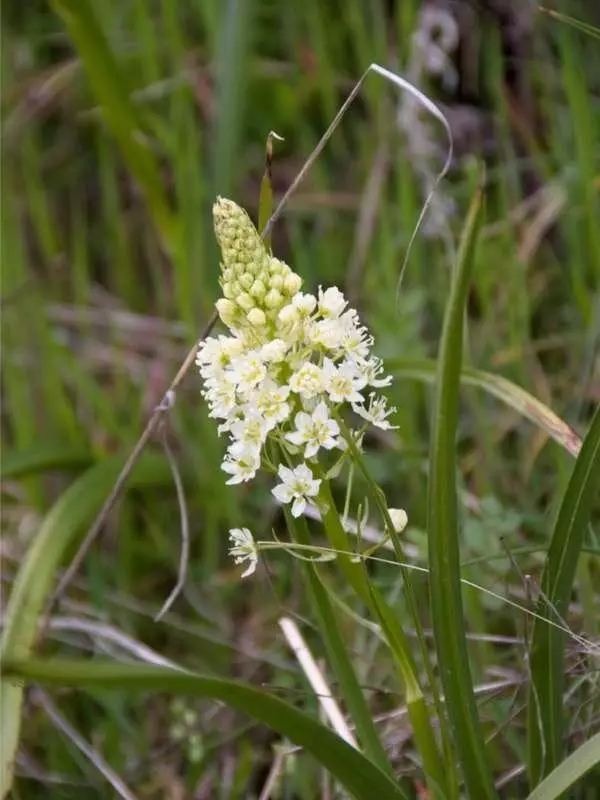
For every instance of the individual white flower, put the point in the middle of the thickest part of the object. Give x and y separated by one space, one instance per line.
315 430
221 396
308 381
247 371
296 485
305 304
274 351
399 518
243 549
370 369
343 383
251 429
270 400
377 413
331 302
325 333
241 463
356 341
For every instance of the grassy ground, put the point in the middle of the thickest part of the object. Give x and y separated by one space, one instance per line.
107 281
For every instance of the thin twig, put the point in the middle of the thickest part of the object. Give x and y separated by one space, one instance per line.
185 530
43 700
150 428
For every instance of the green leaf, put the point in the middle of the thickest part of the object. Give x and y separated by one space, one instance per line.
445 587
545 704
569 771
41 459
353 770
109 84
69 516
504 390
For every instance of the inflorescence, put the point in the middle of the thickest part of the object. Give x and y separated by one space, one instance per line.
290 366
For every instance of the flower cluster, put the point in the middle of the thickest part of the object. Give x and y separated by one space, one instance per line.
291 364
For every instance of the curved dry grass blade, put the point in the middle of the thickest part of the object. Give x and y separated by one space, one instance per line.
504 390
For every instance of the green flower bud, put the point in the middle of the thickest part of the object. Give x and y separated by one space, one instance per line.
226 311
273 299
246 280
256 318
245 301
292 284
258 290
276 282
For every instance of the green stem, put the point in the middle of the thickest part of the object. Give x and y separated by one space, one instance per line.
355 574
338 655
411 602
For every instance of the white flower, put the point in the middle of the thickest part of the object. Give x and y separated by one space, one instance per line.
252 429
315 430
331 302
377 412
274 351
243 549
269 399
399 518
247 371
326 333
343 382
356 340
308 380
220 394
241 463
370 369
296 484
304 303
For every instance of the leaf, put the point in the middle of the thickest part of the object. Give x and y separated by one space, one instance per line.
569 771
353 770
69 516
41 459
545 704
504 390
109 84
445 586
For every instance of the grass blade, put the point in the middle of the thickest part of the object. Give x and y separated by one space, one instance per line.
569 771
446 601
545 706
354 771
68 517
109 85
506 391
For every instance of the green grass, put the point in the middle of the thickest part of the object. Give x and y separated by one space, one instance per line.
122 121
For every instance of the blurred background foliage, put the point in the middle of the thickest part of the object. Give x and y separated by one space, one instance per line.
107 279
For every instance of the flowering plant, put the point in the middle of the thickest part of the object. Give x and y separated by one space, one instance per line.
291 365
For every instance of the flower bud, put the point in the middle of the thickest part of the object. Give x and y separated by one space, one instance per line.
288 315
399 518
276 282
273 299
292 284
258 289
245 301
256 318
246 280
226 310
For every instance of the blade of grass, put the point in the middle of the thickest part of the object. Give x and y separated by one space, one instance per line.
545 704
109 84
353 770
40 459
504 390
569 771
68 517
445 589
